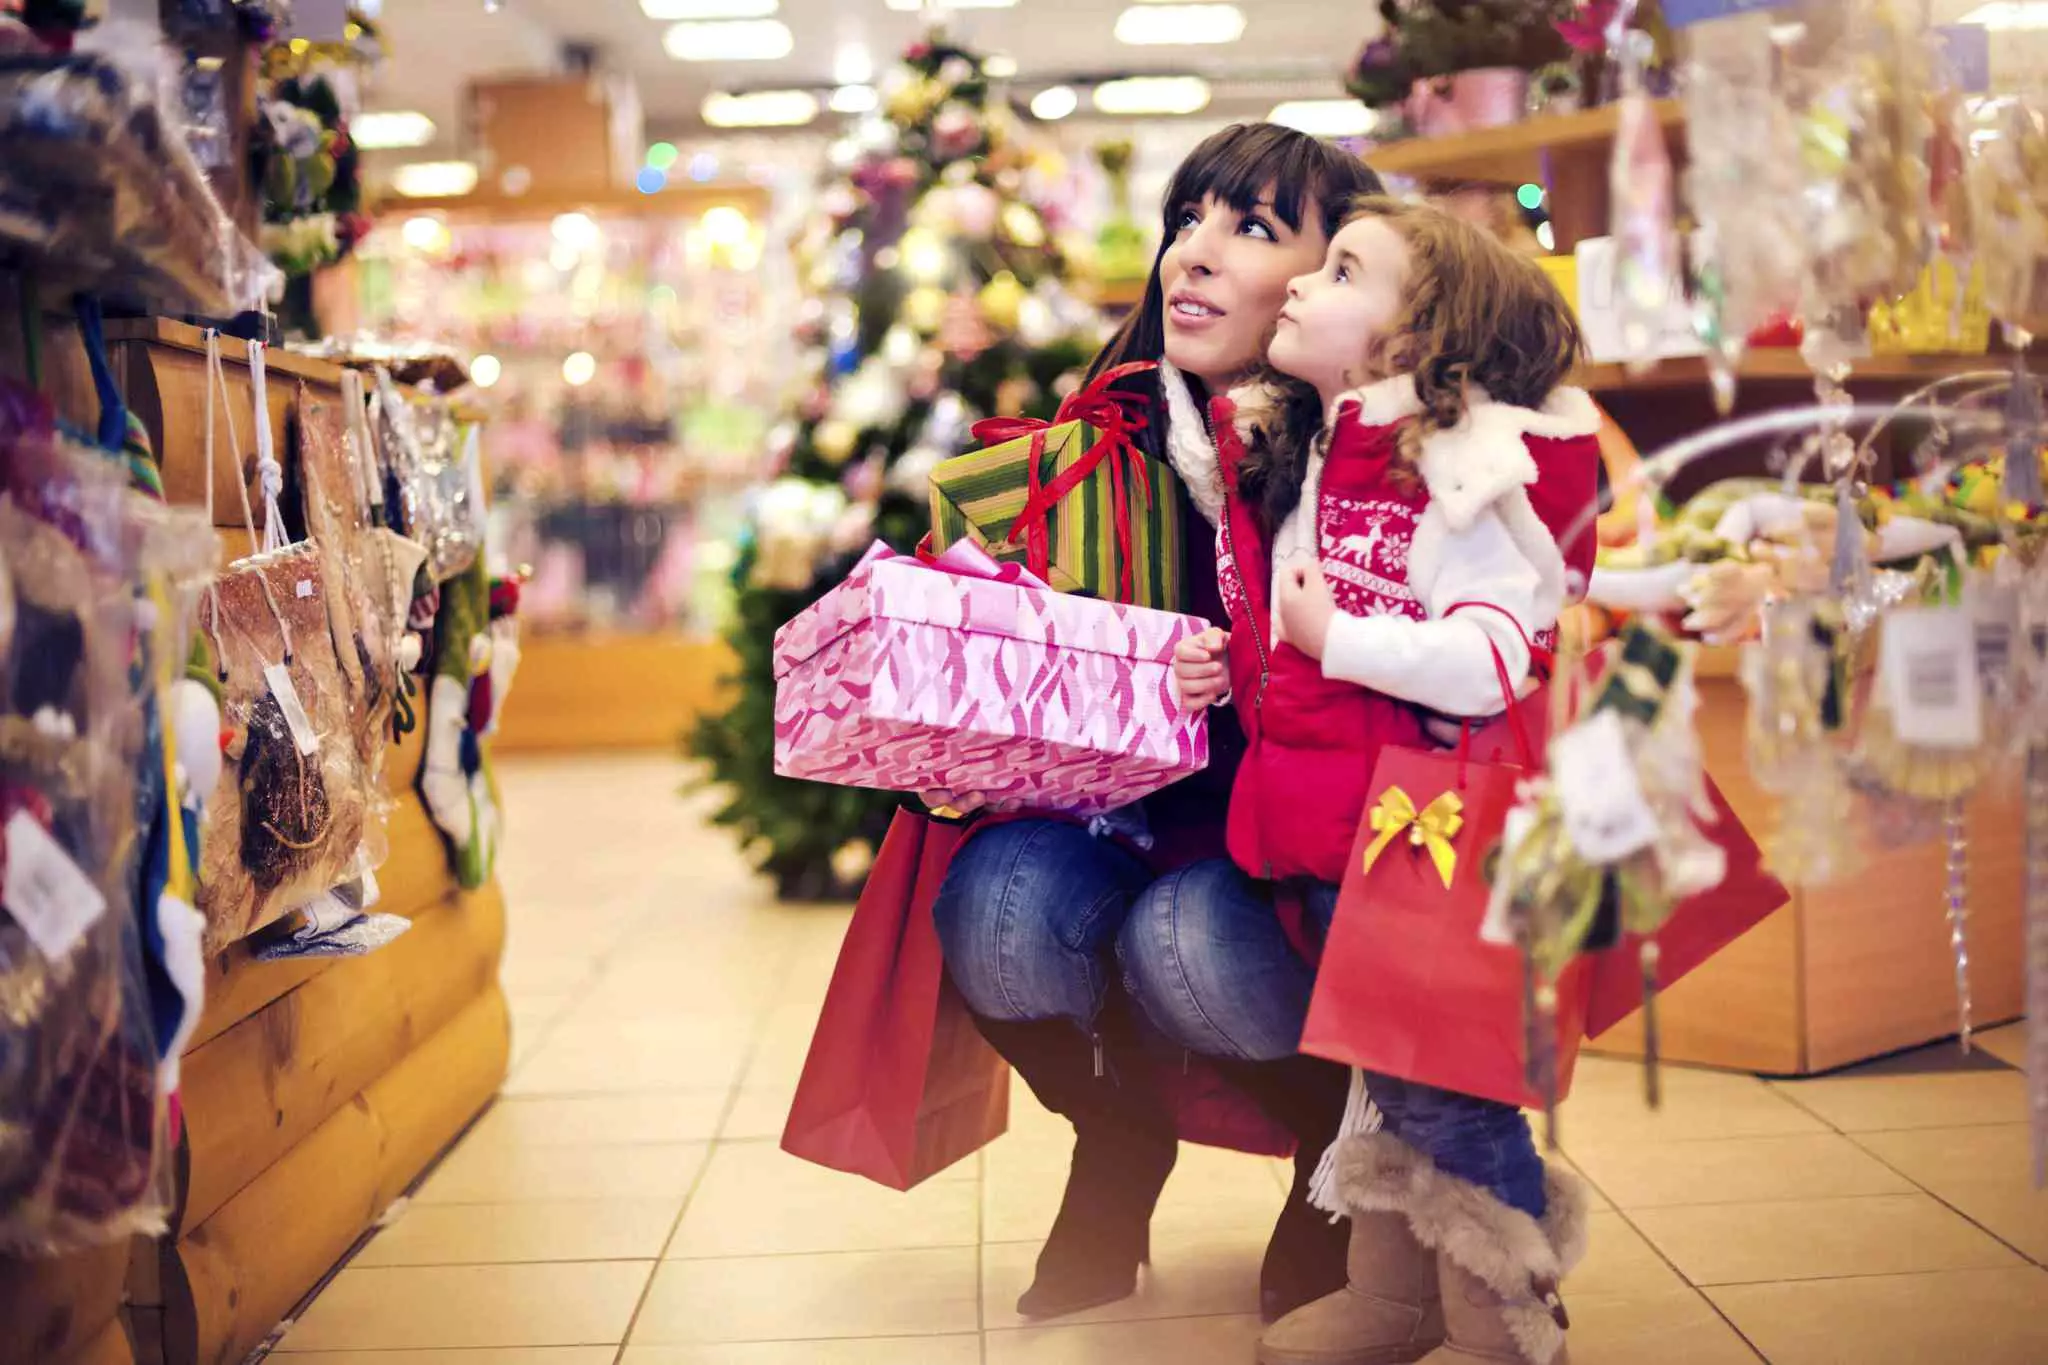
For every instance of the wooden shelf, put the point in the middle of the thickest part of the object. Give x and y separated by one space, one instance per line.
679 201
1779 366
1512 155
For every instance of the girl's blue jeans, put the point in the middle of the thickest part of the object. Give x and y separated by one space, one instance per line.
1038 918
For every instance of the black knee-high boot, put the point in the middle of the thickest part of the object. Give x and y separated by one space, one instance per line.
1305 1095
1124 1148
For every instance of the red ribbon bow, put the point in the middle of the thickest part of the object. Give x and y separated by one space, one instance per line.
1109 412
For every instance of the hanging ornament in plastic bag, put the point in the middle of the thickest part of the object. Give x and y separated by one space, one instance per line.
1798 701
1646 274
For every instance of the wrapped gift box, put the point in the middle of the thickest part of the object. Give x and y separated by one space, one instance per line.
974 677
1094 494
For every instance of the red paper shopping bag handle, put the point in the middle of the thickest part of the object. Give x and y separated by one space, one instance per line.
1539 659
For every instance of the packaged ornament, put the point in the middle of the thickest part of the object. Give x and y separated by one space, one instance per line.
432 472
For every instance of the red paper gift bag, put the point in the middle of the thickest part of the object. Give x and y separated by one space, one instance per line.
899 1084
1406 986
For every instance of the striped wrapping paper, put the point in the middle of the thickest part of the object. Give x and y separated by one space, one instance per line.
977 497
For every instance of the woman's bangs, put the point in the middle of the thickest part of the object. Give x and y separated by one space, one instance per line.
1242 163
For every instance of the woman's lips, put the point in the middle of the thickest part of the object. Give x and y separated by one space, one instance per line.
1191 312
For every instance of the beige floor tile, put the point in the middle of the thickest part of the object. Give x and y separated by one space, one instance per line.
1606 1107
1209 1190
484 1355
1641 1175
1191 1273
1986 1174
1620 1264
1983 1317
758 1113
584 1058
784 1298
1677 1327
960 1350
496 1234
1869 1103
757 1200
1181 1341
1596 1200
496 1174
1811 1239
494 1305
601 1120
2008 1043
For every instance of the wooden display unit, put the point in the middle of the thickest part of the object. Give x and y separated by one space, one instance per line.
581 693
1856 968
315 1091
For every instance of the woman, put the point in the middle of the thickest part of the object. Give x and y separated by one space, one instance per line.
1032 909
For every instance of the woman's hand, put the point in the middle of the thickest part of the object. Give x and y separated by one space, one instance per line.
1199 672
1306 608
1449 731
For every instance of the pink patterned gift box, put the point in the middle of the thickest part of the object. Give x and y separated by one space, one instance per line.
974 677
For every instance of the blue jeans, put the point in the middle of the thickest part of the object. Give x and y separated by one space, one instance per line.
1028 918
1206 957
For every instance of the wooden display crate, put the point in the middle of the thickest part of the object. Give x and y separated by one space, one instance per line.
594 692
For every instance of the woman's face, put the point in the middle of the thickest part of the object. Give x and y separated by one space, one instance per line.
1224 278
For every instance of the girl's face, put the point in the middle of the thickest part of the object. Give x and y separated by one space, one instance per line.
1333 331
1223 278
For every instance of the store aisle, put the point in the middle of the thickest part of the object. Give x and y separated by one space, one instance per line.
625 1201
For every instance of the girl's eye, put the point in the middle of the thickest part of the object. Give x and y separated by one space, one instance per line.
1343 274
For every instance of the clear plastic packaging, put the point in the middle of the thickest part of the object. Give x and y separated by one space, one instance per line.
429 460
99 189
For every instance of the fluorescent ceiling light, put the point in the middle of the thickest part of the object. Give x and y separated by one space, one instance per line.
913 6
1325 118
1153 95
739 40
708 9
1172 25
761 109
853 66
1054 103
999 67
382 129
854 99
434 179
2009 14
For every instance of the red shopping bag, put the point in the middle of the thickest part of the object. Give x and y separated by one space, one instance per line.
899 1084
1406 986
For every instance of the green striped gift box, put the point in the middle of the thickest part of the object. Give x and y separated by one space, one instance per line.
977 496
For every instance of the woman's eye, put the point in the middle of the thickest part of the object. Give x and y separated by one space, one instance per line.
1261 227
1188 218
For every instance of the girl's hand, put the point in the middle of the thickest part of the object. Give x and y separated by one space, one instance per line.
1306 608
1199 673
1449 731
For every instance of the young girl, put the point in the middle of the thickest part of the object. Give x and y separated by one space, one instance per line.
1389 538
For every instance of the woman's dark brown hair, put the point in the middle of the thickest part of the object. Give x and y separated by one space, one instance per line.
1239 165
1478 315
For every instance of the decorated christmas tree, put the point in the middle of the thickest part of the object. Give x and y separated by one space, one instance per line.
935 299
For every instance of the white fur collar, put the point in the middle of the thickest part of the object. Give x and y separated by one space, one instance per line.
1188 443
1472 465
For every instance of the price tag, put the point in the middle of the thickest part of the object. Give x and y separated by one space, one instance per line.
47 892
1994 623
1927 668
1498 927
1605 813
303 588
295 716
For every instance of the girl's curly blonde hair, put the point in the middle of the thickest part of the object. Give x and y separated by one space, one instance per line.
1479 316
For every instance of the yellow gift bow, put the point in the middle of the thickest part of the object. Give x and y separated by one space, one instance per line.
1432 828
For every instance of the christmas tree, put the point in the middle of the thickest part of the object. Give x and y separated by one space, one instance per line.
934 271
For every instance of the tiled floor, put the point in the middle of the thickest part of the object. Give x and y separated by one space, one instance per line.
625 1203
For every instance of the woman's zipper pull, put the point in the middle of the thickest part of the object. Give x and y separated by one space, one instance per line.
1099 1069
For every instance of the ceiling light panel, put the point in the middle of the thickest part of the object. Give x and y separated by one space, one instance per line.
761 109
1325 118
1177 25
738 40
1153 95
434 179
382 129
913 6
2009 14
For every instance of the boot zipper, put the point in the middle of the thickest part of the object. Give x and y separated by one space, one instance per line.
1096 1038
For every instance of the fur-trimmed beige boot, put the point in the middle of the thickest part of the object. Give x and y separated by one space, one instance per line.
1498 1268
1388 1314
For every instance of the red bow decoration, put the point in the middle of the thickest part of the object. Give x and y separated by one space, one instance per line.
1108 412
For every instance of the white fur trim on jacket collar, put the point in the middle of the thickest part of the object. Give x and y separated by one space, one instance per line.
1188 444
1502 1246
